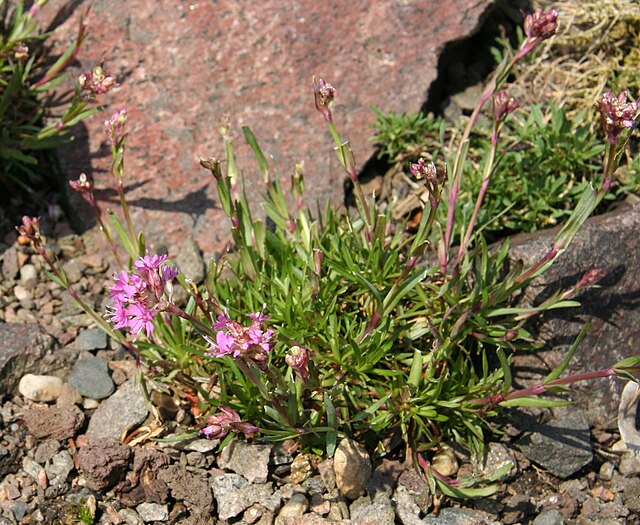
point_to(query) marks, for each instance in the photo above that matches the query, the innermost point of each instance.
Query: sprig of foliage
(548, 162)
(32, 120)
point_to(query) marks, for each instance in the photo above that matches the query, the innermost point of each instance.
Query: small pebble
(41, 389)
(294, 508)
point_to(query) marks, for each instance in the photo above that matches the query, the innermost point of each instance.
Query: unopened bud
(323, 94)
(617, 114)
(30, 228)
(503, 105)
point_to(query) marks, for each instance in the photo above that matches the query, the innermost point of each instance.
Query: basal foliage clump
(319, 326)
(32, 118)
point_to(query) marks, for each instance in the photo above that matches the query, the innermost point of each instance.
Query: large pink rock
(182, 65)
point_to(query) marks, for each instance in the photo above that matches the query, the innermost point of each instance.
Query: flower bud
(96, 81)
(323, 94)
(617, 114)
(503, 105)
(298, 359)
(115, 126)
(30, 228)
(221, 423)
(84, 187)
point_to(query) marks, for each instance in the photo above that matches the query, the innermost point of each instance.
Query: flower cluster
(138, 297)
(115, 126)
(538, 27)
(96, 82)
(84, 187)
(252, 342)
(617, 114)
(221, 423)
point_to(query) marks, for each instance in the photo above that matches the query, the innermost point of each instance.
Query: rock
(263, 58)
(631, 495)
(41, 389)
(458, 516)
(549, 517)
(103, 462)
(153, 512)
(28, 276)
(249, 460)
(407, 509)
(629, 464)
(46, 450)
(123, 410)
(610, 242)
(74, 270)
(377, 512)
(69, 396)
(190, 262)
(234, 494)
(60, 467)
(24, 348)
(91, 339)
(606, 471)
(498, 456)
(444, 461)
(352, 467)
(130, 517)
(562, 446)
(22, 294)
(294, 508)
(185, 486)
(57, 423)
(91, 377)
(10, 267)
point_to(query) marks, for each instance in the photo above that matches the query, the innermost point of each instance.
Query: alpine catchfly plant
(316, 326)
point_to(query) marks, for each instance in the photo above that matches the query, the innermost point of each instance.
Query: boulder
(183, 65)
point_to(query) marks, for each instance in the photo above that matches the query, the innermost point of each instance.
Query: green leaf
(455, 491)
(557, 372)
(262, 161)
(331, 436)
(534, 402)
(127, 243)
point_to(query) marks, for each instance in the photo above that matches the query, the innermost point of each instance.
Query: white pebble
(40, 388)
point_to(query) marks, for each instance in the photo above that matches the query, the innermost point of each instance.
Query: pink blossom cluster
(97, 81)
(617, 114)
(237, 340)
(221, 423)
(138, 297)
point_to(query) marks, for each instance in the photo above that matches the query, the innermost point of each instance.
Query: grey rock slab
(379, 511)
(498, 456)
(457, 516)
(562, 446)
(407, 509)
(153, 512)
(190, 262)
(549, 517)
(611, 243)
(261, 58)
(122, 411)
(24, 348)
(631, 495)
(234, 494)
(91, 339)
(91, 377)
(249, 460)
(59, 468)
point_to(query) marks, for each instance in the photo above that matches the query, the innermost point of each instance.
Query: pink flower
(237, 340)
(298, 359)
(503, 105)
(139, 297)
(84, 187)
(96, 81)
(617, 114)
(30, 228)
(115, 126)
(221, 423)
(538, 27)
